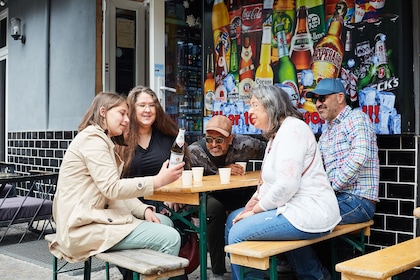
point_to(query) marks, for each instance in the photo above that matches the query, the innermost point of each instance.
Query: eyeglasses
(219, 140)
(321, 98)
(144, 106)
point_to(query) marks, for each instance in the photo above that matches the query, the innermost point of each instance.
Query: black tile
(49, 153)
(406, 208)
(382, 189)
(58, 153)
(63, 144)
(68, 135)
(399, 224)
(388, 142)
(54, 144)
(382, 157)
(45, 144)
(50, 135)
(382, 238)
(58, 135)
(408, 142)
(387, 206)
(401, 237)
(46, 162)
(41, 153)
(388, 174)
(406, 158)
(41, 135)
(407, 174)
(378, 221)
(400, 191)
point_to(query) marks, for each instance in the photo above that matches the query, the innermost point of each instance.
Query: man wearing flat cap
(349, 152)
(220, 148)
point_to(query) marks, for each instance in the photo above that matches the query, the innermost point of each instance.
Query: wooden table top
(176, 192)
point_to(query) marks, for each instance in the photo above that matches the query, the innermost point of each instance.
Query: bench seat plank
(149, 263)
(382, 264)
(256, 254)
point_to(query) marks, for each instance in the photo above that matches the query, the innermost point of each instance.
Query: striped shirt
(350, 154)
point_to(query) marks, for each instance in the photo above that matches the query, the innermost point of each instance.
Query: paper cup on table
(243, 164)
(197, 174)
(224, 174)
(187, 178)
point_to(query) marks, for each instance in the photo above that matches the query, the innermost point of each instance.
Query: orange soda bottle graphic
(328, 53)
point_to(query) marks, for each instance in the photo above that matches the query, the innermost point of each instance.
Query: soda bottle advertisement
(294, 44)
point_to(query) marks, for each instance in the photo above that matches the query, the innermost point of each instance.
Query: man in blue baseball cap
(325, 89)
(349, 152)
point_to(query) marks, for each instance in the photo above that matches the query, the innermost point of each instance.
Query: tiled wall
(398, 191)
(38, 150)
(43, 150)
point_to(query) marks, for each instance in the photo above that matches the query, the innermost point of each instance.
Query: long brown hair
(162, 123)
(108, 100)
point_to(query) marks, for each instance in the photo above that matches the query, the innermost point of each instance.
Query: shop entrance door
(125, 25)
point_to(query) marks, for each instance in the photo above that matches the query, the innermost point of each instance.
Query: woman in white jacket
(295, 200)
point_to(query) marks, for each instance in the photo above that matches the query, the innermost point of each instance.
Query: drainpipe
(47, 58)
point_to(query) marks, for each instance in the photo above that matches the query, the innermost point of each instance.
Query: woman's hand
(150, 216)
(242, 215)
(167, 174)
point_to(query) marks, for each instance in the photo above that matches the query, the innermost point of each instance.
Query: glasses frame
(219, 140)
(143, 106)
(321, 98)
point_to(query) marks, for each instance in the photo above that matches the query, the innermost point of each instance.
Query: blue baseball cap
(327, 86)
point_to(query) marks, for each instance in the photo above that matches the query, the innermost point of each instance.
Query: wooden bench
(146, 264)
(383, 264)
(262, 254)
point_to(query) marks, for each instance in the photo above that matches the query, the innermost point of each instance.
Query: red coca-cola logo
(252, 18)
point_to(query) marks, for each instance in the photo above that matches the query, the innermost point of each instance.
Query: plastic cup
(243, 164)
(186, 178)
(224, 174)
(197, 173)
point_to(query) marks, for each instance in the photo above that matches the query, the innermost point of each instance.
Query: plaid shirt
(350, 154)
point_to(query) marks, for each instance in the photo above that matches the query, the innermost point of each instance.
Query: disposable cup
(187, 178)
(197, 174)
(224, 174)
(243, 164)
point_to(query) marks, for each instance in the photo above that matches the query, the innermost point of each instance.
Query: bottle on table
(178, 148)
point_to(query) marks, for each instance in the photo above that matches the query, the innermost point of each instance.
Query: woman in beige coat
(94, 209)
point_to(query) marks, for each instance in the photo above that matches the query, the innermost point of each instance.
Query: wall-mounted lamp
(16, 30)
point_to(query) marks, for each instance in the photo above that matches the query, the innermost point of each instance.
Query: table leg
(203, 237)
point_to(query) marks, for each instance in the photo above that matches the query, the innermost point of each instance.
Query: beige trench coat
(93, 208)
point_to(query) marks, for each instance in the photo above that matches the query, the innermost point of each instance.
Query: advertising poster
(295, 44)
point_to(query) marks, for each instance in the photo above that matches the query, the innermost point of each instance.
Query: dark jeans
(218, 204)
